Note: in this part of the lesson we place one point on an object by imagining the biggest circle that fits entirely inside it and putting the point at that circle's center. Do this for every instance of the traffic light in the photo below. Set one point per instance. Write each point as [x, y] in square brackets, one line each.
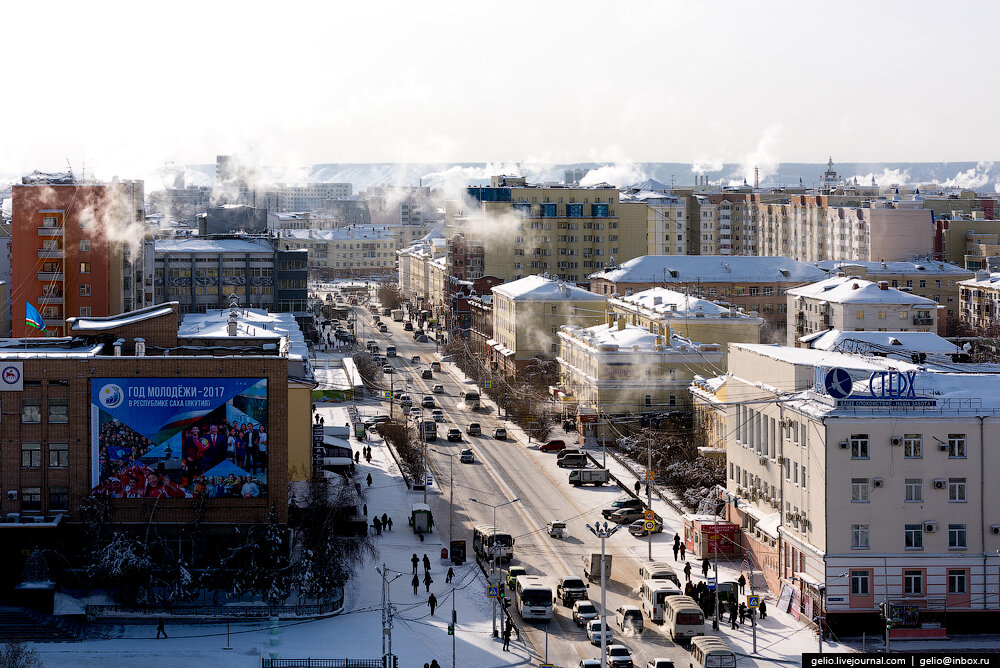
[451, 629]
[395, 661]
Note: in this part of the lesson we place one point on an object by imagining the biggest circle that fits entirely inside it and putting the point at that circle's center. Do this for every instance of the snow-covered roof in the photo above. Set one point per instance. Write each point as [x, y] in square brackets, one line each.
[631, 338]
[670, 302]
[12, 349]
[114, 321]
[716, 269]
[847, 290]
[352, 232]
[189, 245]
[918, 266]
[250, 323]
[905, 342]
[982, 279]
[539, 287]
[651, 197]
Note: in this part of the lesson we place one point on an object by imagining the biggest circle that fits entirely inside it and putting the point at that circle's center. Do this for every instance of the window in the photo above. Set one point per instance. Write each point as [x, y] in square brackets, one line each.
[914, 490]
[913, 536]
[881, 315]
[58, 498]
[803, 477]
[859, 537]
[860, 315]
[795, 469]
[31, 455]
[31, 498]
[50, 221]
[859, 446]
[58, 410]
[902, 315]
[85, 246]
[956, 446]
[768, 291]
[84, 267]
[84, 311]
[58, 455]
[913, 583]
[956, 581]
[859, 490]
[956, 490]
[912, 446]
[84, 290]
[860, 583]
[649, 399]
[956, 537]
[31, 410]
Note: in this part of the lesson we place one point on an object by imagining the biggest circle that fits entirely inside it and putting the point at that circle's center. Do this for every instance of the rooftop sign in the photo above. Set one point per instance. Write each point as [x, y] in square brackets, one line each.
[886, 389]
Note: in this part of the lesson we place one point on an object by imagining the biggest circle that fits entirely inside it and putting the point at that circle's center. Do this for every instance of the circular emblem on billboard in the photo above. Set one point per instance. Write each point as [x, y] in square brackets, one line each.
[838, 383]
[11, 375]
[111, 396]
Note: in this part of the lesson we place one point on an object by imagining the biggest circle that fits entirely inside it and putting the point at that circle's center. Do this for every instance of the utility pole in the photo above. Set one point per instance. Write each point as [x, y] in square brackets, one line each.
[603, 531]
[715, 551]
[386, 614]
[493, 548]
[649, 494]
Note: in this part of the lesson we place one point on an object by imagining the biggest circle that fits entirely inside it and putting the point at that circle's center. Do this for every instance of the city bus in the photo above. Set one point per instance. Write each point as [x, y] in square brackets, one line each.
[533, 598]
[683, 618]
[484, 539]
[711, 652]
[654, 595]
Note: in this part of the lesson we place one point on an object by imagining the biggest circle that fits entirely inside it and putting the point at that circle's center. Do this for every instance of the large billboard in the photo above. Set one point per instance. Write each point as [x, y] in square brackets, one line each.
[179, 437]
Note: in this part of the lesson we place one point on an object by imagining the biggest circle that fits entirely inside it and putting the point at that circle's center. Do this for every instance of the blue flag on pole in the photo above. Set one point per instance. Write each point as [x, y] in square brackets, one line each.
[32, 317]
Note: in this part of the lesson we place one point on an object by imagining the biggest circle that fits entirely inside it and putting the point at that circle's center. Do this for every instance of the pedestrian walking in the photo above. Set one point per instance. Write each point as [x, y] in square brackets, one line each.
[762, 609]
[414, 560]
[743, 612]
[732, 615]
[637, 487]
[427, 564]
[416, 584]
[365, 507]
[743, 583]
[506, 638]
[357, 457]
[676, 548]
[450, 576]
[428, 580]
[704, 567]
[435, 664]
[432, 601]
[385, 519]
[688, 588]
[377, 523]
[677, 541]
[369, 479]
[368, 458]
[687, 571]
[682, 550]
[390, 524]
[160, 629]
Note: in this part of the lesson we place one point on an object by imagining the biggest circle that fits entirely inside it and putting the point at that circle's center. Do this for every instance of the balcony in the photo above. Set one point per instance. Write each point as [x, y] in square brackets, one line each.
[54, 253]
[45, 300]
[50, 231]
[50, 276]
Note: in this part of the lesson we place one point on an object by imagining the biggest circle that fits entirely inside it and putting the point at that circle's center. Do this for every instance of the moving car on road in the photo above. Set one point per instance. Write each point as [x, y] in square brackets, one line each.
[594, 632]
[426, 373]
[583, 612]
[638, 528]
[619, 656]
[435, 366]
[437, 415]
[438, 389]
[512, 574]
[500, 434]
[428, 401]
[475, 429]
[467, 456]
[454, 434]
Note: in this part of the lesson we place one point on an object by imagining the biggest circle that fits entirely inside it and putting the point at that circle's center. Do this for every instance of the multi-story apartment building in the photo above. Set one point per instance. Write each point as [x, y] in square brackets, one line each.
[301, 220]
[311, 196]
[927, 278]
[661, 310]
[958, 238]
[415, 274]
[400, 205]
[181, 204]
[979, 300]
[617, 369]
[666, 222]
[346, 252]
[821, 227]
[734, 226]
[861, 480]
[754, 284]
[527, 315]
[848, 303]
[565, 232]
[77, 249]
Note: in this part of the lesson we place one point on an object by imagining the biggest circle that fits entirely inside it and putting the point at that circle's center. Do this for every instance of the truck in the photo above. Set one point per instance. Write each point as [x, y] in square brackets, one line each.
[592, 566]
[397, 315]
[570, 589]
[596, 477]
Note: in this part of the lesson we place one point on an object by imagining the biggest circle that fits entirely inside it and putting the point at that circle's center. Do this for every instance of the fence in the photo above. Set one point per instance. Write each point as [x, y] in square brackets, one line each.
[320, 663]
[243, 611]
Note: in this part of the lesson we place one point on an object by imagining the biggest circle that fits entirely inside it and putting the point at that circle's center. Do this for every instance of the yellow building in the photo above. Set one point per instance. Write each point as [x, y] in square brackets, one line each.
[528, 313]
[352, 251]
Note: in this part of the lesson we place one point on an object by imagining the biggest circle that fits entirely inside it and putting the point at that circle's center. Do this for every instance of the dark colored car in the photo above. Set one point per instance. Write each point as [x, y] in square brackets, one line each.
[555, 445]
[408, 326]
[454, 434]
[426, 373]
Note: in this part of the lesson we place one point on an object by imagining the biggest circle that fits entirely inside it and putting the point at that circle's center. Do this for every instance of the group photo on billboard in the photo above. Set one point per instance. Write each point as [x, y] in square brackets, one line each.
[179, 437]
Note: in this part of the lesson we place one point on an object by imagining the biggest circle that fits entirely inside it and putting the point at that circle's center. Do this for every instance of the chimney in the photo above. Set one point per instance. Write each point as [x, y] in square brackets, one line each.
[854, 286]
[883, 285]
[140, 347]
[231, 325]
[118, 347]
[657, 301]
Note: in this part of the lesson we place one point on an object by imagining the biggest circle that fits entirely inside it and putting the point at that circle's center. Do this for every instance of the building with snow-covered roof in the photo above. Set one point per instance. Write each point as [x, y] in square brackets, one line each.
[979, 300]
[849, 303]
[860, 479]
[528, 313]
[900, 345]
[748, 282]
[617, 369]
[666, 312]
[666, 221]
[354, 251]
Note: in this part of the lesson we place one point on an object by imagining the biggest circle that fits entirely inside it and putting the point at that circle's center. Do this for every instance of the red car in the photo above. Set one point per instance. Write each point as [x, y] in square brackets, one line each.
[553, 446]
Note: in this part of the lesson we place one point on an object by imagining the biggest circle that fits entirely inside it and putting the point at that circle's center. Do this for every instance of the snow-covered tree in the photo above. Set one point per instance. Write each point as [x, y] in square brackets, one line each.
[124, 566]
[15, 654]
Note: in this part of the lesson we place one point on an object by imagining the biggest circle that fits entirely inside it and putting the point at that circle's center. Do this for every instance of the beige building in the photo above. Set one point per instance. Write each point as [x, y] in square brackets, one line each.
[961, 234]
[864, 477]
[980, 300]
[421, 271]
[663, 311]
[352, 251]
[849, 303]
[527, 315]
[666, 222]
[617, 369]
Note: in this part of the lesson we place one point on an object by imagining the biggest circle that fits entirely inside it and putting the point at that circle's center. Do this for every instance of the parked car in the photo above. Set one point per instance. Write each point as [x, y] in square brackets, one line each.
[512, 573]
[555, 445]
[659, 663]
[435, 366]
[567, 452]
[437, 415]
[594, 632]
[619, 656]
[627, 502]
[629, 617]
[584, 611]
[428, 402]
[626, 515]
[422, 339]
[500, 434]
[467, 456]
[426, 373]
[408, 326]
[638, 528]
[438, 389]
[454, 434]
[376, 419]
[475, 429]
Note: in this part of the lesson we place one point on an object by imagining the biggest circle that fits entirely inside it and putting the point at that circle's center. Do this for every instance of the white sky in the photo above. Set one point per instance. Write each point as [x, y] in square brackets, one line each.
[124, 87]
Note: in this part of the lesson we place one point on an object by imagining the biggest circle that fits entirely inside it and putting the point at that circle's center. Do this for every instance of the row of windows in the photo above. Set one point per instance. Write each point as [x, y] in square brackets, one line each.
[58, 410]
[913, 536]
[913, 489]
[31, 498]
[913, 582]
[956, 446]
[31, 455]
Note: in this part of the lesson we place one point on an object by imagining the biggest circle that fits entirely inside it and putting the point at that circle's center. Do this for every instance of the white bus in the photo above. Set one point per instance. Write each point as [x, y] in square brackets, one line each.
[472, 400]
[489, 544]
[711, 652]
[654, 595]
[683, 618]
[533, 597]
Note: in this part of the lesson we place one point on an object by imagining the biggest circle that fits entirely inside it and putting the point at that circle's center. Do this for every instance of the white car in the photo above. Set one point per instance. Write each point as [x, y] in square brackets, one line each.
[415, 412]
[660, 663]
[594, 632]
[439, 389]
[619, 656]
[437, 415]
[584, 611]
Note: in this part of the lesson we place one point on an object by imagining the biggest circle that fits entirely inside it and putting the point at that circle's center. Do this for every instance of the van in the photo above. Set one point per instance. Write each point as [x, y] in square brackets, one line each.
[596, 477]
[683, 618]
[654, 595]
[711, 652]
[390, 351]
[659, 570]
[572, 461]
[629, 617]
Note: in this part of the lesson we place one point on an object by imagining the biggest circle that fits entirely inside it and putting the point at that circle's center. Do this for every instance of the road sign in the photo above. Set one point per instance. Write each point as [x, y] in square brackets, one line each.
[649, 525]
[430, 480]
[531, 418]
[493, 579]
[711, 583]
[488, 384]
[546, 665]
[753, 601]
[650, 476]
[648, 515]
[492, 591]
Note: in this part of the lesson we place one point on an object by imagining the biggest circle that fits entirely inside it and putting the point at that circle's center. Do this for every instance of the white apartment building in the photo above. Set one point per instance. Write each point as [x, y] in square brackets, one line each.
[849, 303]
[310, 196]
[301, 220]
[862, 479]
[348, 252]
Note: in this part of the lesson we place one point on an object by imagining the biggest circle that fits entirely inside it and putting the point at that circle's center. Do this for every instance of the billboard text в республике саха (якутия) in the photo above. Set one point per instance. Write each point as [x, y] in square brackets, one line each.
[179, 437]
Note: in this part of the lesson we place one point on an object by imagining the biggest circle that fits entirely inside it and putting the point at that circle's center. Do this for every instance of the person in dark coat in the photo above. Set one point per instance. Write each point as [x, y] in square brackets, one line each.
[762, 609]
[677, 541]
[704, 567]
[743, 583]
[682, 552]
[385, 519]
[435, 664]
[732, 614]
[688, 588]
[427, 581]
[369, 479]
[506, 638]
[414, 560]
[450, 576]
[427, 564]
[432, 602]
[743, 612]
[160, 629]
[390, 524]
[687, 571]
[637, 487]
[676, 549]
[416, 583]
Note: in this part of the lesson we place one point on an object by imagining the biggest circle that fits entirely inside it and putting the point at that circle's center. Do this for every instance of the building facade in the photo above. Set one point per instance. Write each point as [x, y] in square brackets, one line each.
[346, 252]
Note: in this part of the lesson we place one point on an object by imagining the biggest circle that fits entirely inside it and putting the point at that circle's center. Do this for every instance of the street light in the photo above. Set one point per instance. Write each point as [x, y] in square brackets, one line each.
[603, 531]
[493, 544]
[387, 611]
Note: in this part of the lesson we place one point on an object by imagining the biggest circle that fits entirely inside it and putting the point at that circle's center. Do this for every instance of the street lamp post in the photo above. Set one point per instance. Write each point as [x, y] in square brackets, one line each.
[386, 612]
[493, 544]
[603, 532]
